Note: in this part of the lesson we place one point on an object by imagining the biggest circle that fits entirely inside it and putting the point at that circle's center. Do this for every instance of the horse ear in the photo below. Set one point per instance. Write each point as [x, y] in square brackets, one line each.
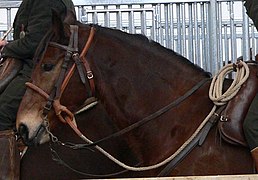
[70, 17]
[57, 25]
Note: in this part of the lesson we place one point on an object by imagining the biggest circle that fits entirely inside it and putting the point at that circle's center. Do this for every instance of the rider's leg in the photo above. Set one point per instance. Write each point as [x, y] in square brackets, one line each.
[10, 99]
[9, 103]
[251, 129]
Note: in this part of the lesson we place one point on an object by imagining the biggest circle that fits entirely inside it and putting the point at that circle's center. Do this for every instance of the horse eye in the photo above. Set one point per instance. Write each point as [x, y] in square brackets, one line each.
[47, 67]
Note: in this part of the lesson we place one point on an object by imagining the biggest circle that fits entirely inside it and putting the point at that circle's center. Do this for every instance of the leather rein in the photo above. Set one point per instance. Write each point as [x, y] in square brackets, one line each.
[80, 62]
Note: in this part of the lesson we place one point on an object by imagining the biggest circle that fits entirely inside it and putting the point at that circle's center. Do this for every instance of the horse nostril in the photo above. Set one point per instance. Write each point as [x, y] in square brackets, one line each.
[23, 132]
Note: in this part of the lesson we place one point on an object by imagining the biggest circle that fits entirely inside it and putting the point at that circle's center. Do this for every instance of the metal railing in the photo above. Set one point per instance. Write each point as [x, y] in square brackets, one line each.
[209, 33]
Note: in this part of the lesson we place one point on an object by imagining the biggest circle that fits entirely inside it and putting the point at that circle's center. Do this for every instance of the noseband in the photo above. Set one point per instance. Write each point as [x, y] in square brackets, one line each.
[53, 99]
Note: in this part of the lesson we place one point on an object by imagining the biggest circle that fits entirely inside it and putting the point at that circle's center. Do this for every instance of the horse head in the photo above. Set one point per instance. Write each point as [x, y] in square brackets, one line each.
[48, 59]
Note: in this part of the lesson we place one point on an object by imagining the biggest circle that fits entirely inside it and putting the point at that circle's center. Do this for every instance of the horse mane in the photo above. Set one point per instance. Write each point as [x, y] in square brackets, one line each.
[144, 41]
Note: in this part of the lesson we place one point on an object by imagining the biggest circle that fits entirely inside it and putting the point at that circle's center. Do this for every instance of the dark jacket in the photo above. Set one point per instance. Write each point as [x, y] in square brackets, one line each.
[252, 10]
[31, 23]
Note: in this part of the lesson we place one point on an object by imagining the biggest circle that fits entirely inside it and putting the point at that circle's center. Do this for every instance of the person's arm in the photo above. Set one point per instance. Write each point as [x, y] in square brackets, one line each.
[38, 24]
[2, 44]
[252, 10]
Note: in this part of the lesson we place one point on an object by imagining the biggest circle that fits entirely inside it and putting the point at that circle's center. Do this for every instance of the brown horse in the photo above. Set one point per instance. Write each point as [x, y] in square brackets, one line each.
[156, 97]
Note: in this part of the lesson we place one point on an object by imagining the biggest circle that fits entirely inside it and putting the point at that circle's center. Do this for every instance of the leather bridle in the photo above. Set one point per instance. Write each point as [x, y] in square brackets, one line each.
[80, 62]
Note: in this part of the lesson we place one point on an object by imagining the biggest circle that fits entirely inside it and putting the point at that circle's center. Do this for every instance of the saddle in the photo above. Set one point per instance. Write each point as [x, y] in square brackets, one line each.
[231, 120]
[9, 69]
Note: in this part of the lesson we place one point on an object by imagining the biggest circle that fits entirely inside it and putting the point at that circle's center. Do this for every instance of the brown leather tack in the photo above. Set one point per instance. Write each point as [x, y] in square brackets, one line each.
[9, 156]
[9, 68]
[231, 128]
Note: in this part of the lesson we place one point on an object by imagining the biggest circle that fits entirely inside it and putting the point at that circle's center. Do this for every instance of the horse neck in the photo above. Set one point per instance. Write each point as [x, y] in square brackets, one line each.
[136, 60]
[135, 79]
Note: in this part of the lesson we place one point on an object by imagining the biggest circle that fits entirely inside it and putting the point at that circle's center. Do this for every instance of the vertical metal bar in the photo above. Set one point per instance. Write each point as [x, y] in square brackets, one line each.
[131, 20]
[183, 44]
[213, 48]
[154, 24]
[253, 39]
[118, 18]
[85, 17]
[246, 42]
[197, 36]
[220, 46]
[166, 25]
[9, 22]
[203, 36]
[178, 13]
[160, 28]
[232, 32]
[170, 36]
[207, 39]
[172, 25]
[106, 17]
[143, 21]
[190, 34]
[226, 44]
[80, 14]
[95, 15]
[157, 23]
[254, 42]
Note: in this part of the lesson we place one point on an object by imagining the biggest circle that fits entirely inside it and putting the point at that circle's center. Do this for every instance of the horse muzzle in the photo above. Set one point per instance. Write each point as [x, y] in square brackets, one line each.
[36, 138]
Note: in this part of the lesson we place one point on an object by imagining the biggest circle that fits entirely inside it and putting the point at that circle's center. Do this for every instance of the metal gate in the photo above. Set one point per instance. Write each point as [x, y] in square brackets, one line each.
[209, 33]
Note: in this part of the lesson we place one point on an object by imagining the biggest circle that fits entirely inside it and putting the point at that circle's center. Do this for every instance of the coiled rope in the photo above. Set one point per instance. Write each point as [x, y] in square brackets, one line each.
[216, 89]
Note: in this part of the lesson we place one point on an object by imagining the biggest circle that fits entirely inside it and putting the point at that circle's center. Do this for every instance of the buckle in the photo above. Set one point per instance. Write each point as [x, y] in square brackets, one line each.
[89, 74]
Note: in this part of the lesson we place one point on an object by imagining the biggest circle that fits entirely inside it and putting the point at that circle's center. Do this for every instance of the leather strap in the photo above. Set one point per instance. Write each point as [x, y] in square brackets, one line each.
[153, 115]
[198, 140]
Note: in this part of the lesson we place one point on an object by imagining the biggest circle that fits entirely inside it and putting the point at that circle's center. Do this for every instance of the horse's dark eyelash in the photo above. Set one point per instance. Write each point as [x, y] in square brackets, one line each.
[47, 67]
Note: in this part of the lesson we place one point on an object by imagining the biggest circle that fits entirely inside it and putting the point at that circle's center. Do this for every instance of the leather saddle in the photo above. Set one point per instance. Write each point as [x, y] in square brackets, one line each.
[231, 120]
[9, 68]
